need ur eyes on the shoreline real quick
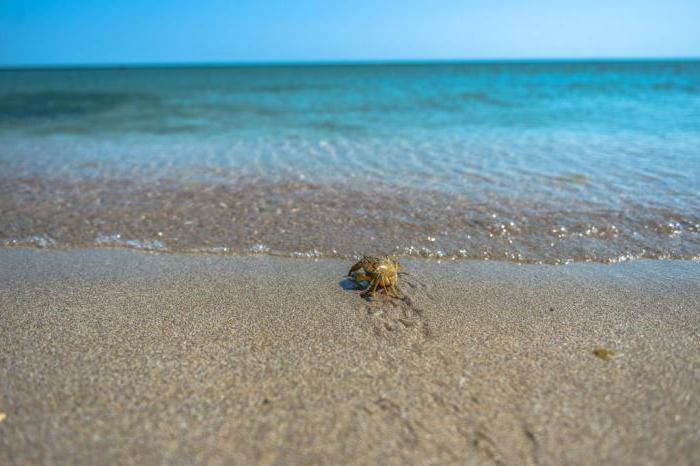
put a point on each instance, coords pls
(341, 219)
(42, 244)
(112, 355)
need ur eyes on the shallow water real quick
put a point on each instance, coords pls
(529, 162)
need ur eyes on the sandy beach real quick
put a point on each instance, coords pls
(117, 357)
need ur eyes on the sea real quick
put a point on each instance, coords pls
(532, 162)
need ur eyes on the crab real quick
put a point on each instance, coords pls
(381, 272)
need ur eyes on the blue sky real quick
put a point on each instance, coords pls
(148, 31)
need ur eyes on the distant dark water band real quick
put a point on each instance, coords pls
(332, 220)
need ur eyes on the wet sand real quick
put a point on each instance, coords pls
(303, 219)
(119, 357)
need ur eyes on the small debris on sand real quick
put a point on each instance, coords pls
(604, 353)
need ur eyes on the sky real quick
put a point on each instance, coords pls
(52, 32)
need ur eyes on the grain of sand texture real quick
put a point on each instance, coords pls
(118, 357)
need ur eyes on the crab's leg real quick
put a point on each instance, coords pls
(389, 289)
(374, 284)
(381, 281)
(372, 287)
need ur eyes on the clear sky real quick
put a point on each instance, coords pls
(148, 31)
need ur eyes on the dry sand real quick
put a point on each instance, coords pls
(117, 357)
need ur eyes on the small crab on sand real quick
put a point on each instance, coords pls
(381, 273)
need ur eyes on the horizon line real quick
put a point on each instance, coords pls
(340, 62)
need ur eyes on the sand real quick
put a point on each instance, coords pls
(119, 357)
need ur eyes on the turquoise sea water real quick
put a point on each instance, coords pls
(546, 161)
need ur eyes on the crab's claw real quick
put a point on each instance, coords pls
(355, 268)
